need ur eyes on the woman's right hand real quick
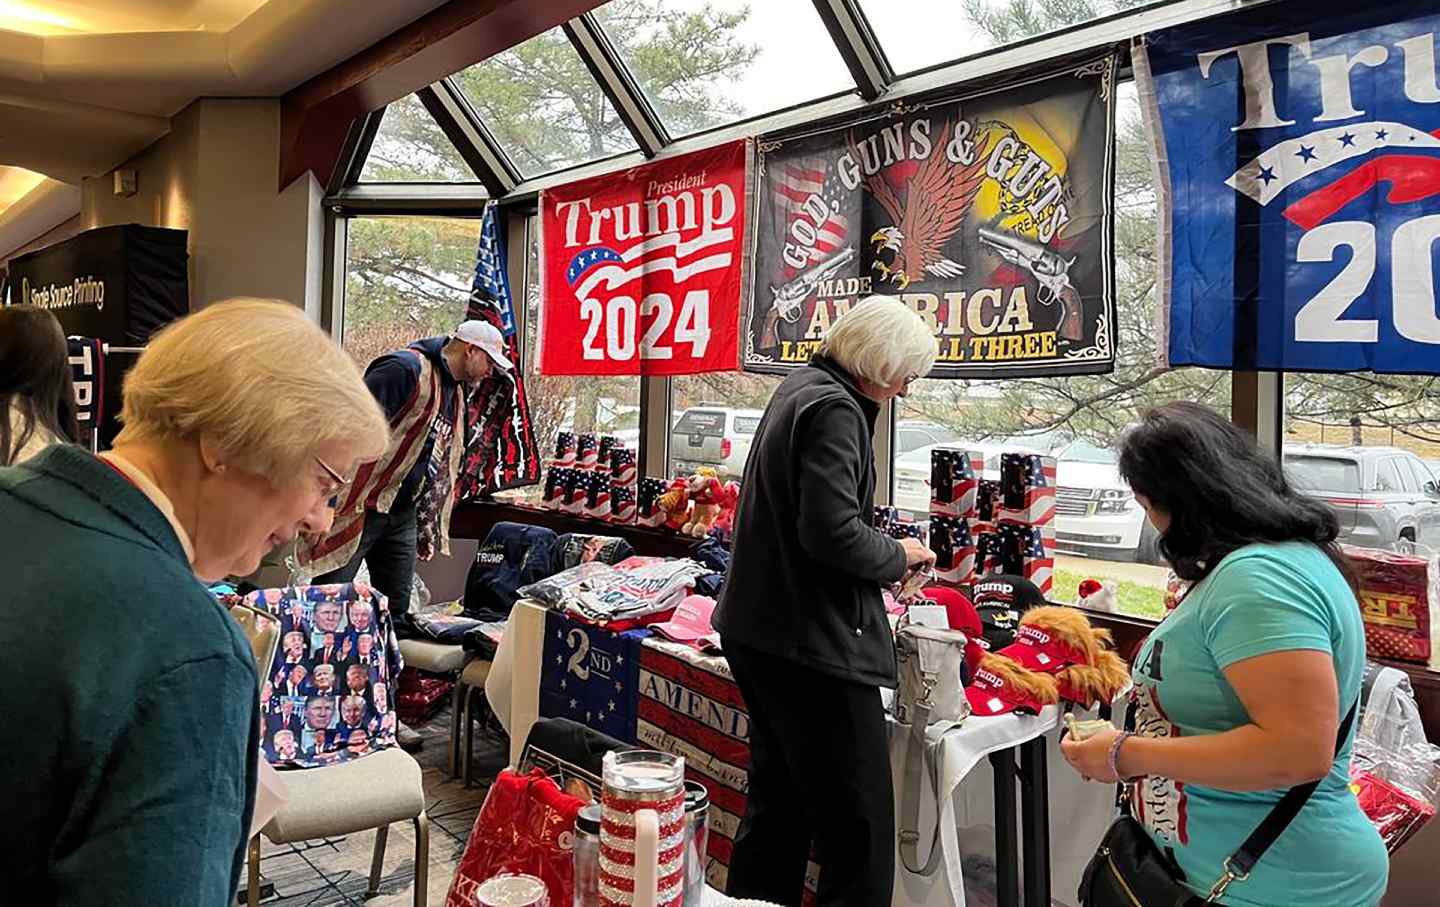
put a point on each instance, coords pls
(916, 553)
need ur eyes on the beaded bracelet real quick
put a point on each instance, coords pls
(1115, 754)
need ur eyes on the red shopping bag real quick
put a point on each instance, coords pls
(526, 825)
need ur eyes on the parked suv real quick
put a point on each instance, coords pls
(713, 436)
(1380, 494)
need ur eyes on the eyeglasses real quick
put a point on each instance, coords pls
(338, 481)
(911, 379)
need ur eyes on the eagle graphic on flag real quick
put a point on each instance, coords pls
(937, 199)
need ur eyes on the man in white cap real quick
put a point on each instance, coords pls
(397, 509)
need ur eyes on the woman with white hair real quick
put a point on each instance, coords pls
(134, 776)
(803, 622)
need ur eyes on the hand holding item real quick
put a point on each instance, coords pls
(1091, 756)
(917, 554)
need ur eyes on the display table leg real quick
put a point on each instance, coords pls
(1035, 818)
(1007, 844)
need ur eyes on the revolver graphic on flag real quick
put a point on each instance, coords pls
(1051, 270)
(790, 297)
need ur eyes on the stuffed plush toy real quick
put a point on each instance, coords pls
(1097, 595)
(1058, 655)
(707, 495)
(729, 501)
(675, 503)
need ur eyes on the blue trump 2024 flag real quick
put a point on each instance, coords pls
(1298, 147)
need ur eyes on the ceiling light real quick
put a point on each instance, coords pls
(16, 15)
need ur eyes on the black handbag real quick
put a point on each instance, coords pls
(1129, 870)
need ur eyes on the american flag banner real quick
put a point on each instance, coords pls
(622, 503)
(623, 468)
(809, 188)
(591, 675)
(954, 481)
(597, 494)
(500, 446)
(954, 547)
(642, 271)
(690, 706)
(1027, 489)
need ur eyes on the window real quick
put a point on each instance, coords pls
(1101, 531)
(714, 421)
(605, 405)
(410, 148)
(1424, 480)
(1321, 474)
(705, 63)
(971, 26)
(406, 277)
(1387, 478)
(544, 107)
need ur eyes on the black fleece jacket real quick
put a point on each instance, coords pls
(805, 578)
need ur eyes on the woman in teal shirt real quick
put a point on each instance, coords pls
(1242, 689)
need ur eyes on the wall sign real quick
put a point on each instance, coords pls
(641, 271)
(1299, 150)
(117, 284)
(988, 212)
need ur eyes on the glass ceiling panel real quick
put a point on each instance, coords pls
(705, 63)
(410, 148)
(950, 29)
(544, 107)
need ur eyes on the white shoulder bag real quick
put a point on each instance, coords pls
(930, 691)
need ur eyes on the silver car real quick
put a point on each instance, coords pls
(713, 436)
(1380, 494)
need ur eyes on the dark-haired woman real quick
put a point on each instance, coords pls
(37, 400)
(1241, 691)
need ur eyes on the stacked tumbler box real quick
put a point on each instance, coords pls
(648, 511)
(586, 472)
(624, 479)
(954, 496)
(1026, 517)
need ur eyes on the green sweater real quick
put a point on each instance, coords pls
(128, 773)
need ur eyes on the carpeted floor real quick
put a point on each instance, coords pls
(335, 872)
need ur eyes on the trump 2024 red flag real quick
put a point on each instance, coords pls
(642, 271)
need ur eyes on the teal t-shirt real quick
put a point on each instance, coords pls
(1260, 599)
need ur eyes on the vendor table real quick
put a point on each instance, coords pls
(659, 694)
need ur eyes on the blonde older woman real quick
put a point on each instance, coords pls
(130, 774)
(803, 622)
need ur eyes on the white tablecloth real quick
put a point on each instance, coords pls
(1079, 811)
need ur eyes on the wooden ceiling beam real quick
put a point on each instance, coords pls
(316, 117)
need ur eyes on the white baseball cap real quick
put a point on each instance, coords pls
(488, 337)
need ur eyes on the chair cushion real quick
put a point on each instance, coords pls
(352, 796)
(432, 656)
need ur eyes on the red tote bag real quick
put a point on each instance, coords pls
(527, 825)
